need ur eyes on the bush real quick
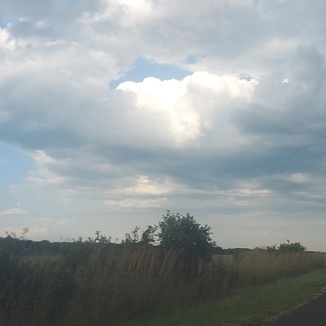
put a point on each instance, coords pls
(291, 247)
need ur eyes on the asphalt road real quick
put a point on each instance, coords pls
(312, 313)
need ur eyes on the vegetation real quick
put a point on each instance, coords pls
(97, 282)
(287, 247)
(185, 234)
(250, 306)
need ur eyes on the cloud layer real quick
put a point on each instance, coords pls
(239, 142)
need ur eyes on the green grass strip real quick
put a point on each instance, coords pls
(248, 307)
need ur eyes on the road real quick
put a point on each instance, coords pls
(312, 313)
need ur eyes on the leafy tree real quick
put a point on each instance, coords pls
(183, 233)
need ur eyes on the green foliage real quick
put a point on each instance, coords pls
(286, 248)
(291, 247)
(182, 232)
(132, 238)
(148, 236)
(271, 249)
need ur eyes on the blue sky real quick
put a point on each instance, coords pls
(143, 68)
(15, 165)
(112, 112)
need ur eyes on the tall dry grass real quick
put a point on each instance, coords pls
(260, 266)
(110, 285)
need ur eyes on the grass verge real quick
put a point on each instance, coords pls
(246, 307)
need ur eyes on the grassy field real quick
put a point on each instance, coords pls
(105, 285)
(252, 306)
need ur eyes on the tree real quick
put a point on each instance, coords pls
(183, 233)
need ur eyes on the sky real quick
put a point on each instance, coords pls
(114, 111)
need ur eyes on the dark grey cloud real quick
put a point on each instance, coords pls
(287, 110)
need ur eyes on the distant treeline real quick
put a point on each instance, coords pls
(19, 247)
